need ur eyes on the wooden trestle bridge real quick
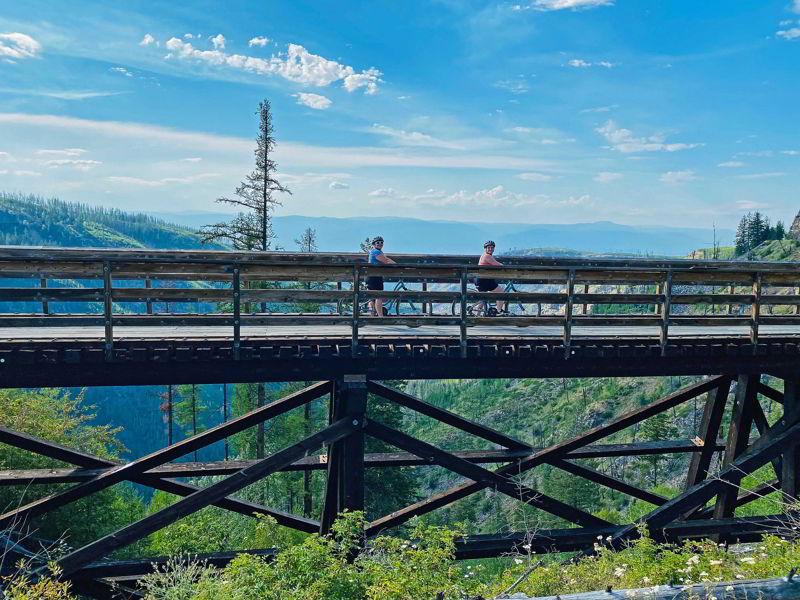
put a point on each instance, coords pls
(102, 317)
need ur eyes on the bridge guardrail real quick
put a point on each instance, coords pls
(110, 284)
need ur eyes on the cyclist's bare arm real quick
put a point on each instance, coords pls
(385, 259)
(488, 259)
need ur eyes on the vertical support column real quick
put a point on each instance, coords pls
(755, 311)
(790, 481)
(424, 304)
(225, 415)
(356, 294)
(148, 284)
(43, 285)
(463, 322)
(738, 438)
(108, 308)
(345, 485)
(731, 291)
(666, 308)
(709, 430)
(237, 310)
(568, 312)
(585, 306)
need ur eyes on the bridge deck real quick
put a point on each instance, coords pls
(378, 332)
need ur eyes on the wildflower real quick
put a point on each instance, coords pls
(526, 546)
(715, 563)
(749, 560)
(518, 561)
(599, 537)
(739, 576)
(619, 571)
(693, 559)
(608, 538)
(703, 574)
(728, 588)
(645, 580)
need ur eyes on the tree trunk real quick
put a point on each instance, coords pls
(307, 473)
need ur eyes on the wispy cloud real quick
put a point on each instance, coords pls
(61, 152)
(535, 177)
(136, 181)
(760, 175)
(314, 101)
(18, 46)
(338, 185)
(607, 177)
(600, 109)
(580, 63)
(789, 34)
(731, 163)
(192, 159)
(258, 41)
(623, 140)
(791, 152)
(288, 153)
(81, 164)
(412, 138)
(61, 94)
(678, 177)
(299, 66)
(21, 173)
(147, 40)
(550, 5)
(121, 71)
(515, 86)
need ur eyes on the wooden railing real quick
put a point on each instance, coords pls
(123, 288)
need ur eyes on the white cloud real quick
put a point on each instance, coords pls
(791, 152)
(535, 177)
(192, 159)
(412, 138)
(122, 70)
(731, 163)
(25, 173)
(515, 86)
(188, 36)
(607, 177)
(6, 156)
(623, 140)
(678, 177)
(548, 5)
(258, 41)
(79, 164)
(403, 97)
(147, 40)
(16, 46)
(218, 41)
(580, 63)
(495, 197)
(64, 152)
(600, 109)
(795, 6)
(61, 95)
(751, 204)
(760, 175)
(338, 185)
(789, 34)
(159, 182)
(384, 193)
(757, 153)
(299, 66)
(313, 101)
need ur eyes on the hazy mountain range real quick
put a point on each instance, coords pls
(454, 237)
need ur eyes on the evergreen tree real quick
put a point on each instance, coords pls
(742, 243)
(251, 229)
(780, 230)
(656, 428)
(188, 409)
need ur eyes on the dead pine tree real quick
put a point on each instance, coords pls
(255, 197)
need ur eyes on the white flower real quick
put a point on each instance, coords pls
(619, 571)
(749, 560)
(526, 546)
(728, 588)
(703, 574)
(739, 576)
(518, 561)
(693, 559)
(715, 562)
(645, 580)
(599, 537)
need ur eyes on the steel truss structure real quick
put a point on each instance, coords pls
(688, 515)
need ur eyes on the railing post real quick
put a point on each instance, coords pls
(585, 306)
(666, 308)
(463, 321)
(108, 308)
(731, 291)
(148, 284)
(755, 310)
(237, 311)
(424, 304)
(356, 285)
(43, 285)
(568, 312)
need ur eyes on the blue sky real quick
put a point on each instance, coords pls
(666, 112)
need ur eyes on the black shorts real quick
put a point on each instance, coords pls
(375, 283)
(487, 285)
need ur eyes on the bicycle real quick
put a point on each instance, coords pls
(392, 305)
(484, 308)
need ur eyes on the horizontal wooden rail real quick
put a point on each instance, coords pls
(119, 288)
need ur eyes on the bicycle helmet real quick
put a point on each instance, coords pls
(488, 243)
(377, 238)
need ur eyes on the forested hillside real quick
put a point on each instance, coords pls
(35, 221)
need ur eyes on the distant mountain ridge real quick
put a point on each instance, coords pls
(454, 237)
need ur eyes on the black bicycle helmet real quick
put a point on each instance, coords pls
(377, 238)
(489, 243)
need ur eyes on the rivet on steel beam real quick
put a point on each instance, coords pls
(355, 421)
